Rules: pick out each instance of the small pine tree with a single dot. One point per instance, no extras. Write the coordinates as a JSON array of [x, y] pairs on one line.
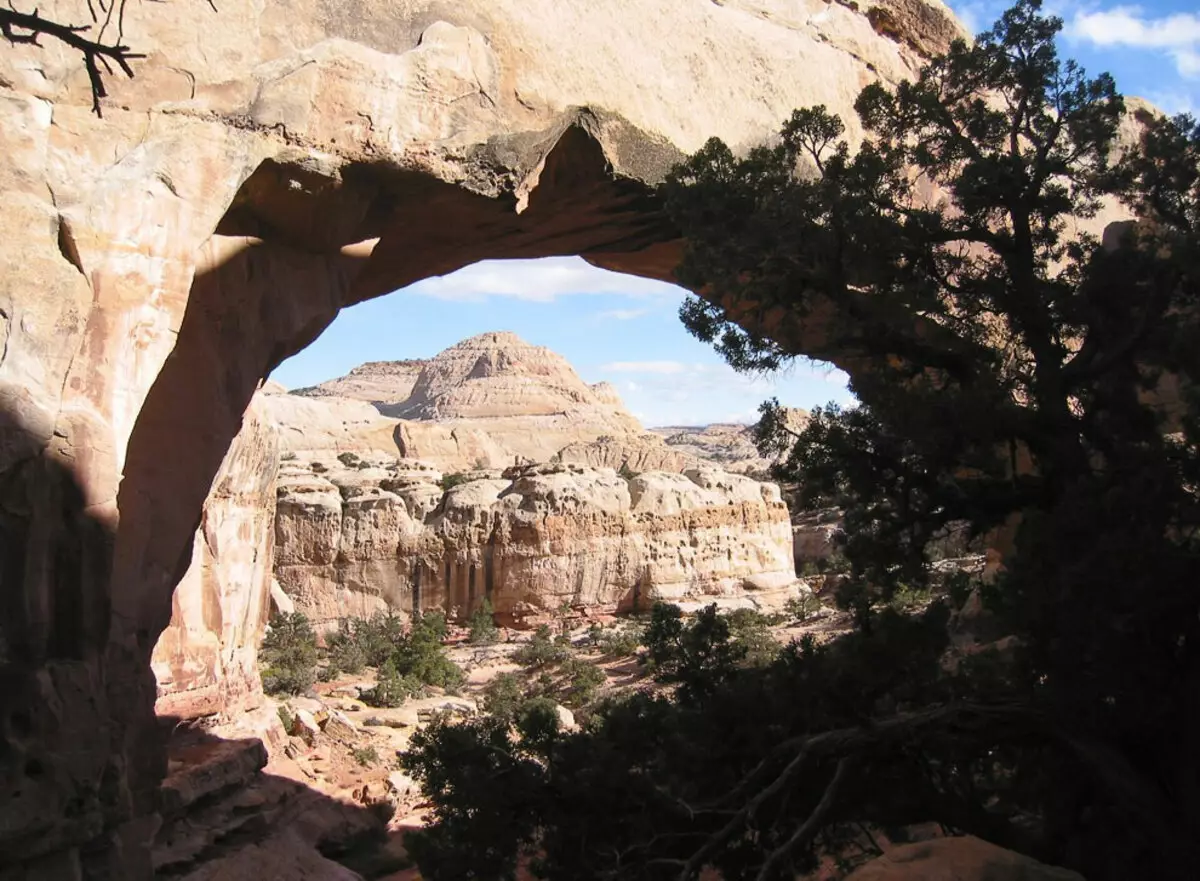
[[483, 629], [288, 655]]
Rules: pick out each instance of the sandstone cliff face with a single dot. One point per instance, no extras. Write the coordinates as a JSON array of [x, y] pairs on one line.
[[205, 662], [352, 541], [269, 164], [385, 384]]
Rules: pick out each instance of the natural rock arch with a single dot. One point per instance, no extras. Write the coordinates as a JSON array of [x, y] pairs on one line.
[[161, 261]]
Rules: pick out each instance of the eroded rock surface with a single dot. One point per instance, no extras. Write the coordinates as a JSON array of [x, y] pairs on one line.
[[350, 541], [958, 859], [205, 662], [270, 164]]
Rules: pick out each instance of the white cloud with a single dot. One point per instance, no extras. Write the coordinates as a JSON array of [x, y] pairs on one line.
[[622, 314], [656, 367], [1178, 34], [539, 281]]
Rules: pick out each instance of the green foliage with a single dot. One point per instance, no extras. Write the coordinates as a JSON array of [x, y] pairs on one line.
[[391, 688], [542, 651], [449, 481], [503, 696], [366, 755], [407, 659], [285, 719], [288, 656], [700, 654], [621, 641], [749, 632], [350, 460], [289, 456], [482, 626], [345, 650], [802, 608], [421, 657], [486, 787], [1005, 368], [580, 683]]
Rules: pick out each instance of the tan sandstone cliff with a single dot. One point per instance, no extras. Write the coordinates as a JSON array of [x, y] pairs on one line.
[[378, 534], [269, 164]]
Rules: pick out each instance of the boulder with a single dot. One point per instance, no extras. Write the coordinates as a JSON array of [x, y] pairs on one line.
[[957, 859]]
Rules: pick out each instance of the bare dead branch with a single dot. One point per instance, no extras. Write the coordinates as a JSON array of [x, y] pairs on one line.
[[811, 826], [28, 28]]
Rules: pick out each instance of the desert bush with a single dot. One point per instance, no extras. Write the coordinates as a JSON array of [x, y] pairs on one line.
[[502, 696], [580, 683], [621, 641], [449, 481], [802, 608], [750, 633], [541, 651], [288, 655], [350, 460], [482, 626], [344, 649], [391, 688], [366, 755]]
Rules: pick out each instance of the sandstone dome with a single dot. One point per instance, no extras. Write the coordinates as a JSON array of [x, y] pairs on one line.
[[498, 374]]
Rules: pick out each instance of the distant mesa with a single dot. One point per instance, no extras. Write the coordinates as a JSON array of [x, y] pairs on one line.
[[495, 401]]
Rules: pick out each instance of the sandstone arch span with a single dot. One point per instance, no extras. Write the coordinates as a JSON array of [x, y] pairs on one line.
[[269, 165]]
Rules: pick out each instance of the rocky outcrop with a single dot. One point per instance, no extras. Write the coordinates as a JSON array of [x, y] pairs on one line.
[[352, 541], [205, 661], [958, 859], [270, 164], [327, 423], [646, 452], [524, 402], [385, 384]]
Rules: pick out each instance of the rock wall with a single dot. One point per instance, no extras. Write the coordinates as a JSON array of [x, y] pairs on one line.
[[268, 165], [352, 541], [205, 662]]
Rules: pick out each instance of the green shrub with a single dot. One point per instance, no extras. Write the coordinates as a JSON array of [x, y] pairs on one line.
[[379, 636], [344, 650], [751, 636], [621, 642], [421, 656], [483, 629], [391, 688], [449, 481], [350, 460], [700, 654], [503, 696], [285, 719], [366, 755], [803, 607], [580, 684], [541, 651], [287, 457], [288, 655]]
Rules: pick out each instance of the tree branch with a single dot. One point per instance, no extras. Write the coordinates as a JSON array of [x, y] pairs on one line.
[[810, 826], [27, 28]]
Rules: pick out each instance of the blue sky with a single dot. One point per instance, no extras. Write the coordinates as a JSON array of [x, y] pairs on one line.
[[609, 326], [626, 330]]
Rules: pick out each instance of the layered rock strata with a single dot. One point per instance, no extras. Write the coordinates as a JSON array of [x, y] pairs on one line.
[[352, 541]]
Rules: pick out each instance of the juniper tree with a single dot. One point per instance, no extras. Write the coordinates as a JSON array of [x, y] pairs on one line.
[[1012, 373]]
